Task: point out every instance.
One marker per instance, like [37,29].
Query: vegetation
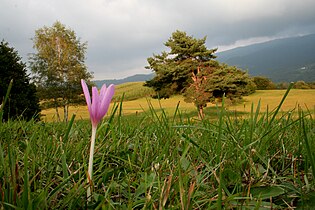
[58,66]
[132,91]
[22,101]
[303,85]
[263,83]
[173,70]
[212,84]
[269,99]
[189,68]
[156,158]
[158,161]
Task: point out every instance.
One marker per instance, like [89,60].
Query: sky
[122,34]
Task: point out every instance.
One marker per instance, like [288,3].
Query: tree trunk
[57,111]
[65,112]
[201,114]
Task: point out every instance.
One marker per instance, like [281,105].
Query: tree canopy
[22,101]
[189,68]
[263,83]
[59,65]
[173,69]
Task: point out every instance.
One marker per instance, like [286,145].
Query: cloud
[121,34]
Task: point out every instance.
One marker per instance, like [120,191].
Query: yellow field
[271,98]
[129,107]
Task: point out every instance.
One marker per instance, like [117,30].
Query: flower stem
[90,169]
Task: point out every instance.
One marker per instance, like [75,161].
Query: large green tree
[173,70]
[58,66]
[23,101]
[189,68]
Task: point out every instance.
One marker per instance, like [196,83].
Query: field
[154,154]
[137,99]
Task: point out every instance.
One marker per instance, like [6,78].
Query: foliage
[301,85]
[59,65]
[22,101]
[214,82]
[159,161]
[297,85]
[263,83]
[282,85]
[189,68]
[173,70]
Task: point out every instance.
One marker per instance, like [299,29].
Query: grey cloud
[121,34]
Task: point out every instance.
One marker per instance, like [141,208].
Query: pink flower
[100,101]
[97,109]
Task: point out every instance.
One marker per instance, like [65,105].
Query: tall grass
[4,100]
[162,160]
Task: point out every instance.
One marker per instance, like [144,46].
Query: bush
[264,83]
[301,85]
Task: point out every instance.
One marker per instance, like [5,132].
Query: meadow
[156,154]
[138,99]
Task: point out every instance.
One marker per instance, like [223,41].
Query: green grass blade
[219,149]
[5,100]
[279,106]
[66,136]
[26,192]
[308,148]
[185,137]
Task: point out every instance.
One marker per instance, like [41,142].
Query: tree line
[264,83]
[56,70]
[188,68]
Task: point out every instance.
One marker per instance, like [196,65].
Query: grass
[268,99]
[162,159]
[132,91]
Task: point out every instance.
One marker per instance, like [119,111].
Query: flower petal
[106,99]
[86,94]
[95,106]
[99,105]
[103,91]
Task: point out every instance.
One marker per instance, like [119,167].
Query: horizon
[244,45]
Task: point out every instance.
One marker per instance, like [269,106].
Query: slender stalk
[90,169]
[5,100]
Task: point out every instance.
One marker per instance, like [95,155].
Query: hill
[134,78]
[282,60]
[289,59]
[132,91]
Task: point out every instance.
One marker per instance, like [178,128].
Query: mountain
[281,60]
[289,59]
[134,78]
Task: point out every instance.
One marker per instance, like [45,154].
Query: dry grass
[269,98]
[129,107]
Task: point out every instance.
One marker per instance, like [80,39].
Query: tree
[22,101]
[264,83]
[213,82]
[173,70]
[282,85]
[58,66]
[189,69]
[301,85]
